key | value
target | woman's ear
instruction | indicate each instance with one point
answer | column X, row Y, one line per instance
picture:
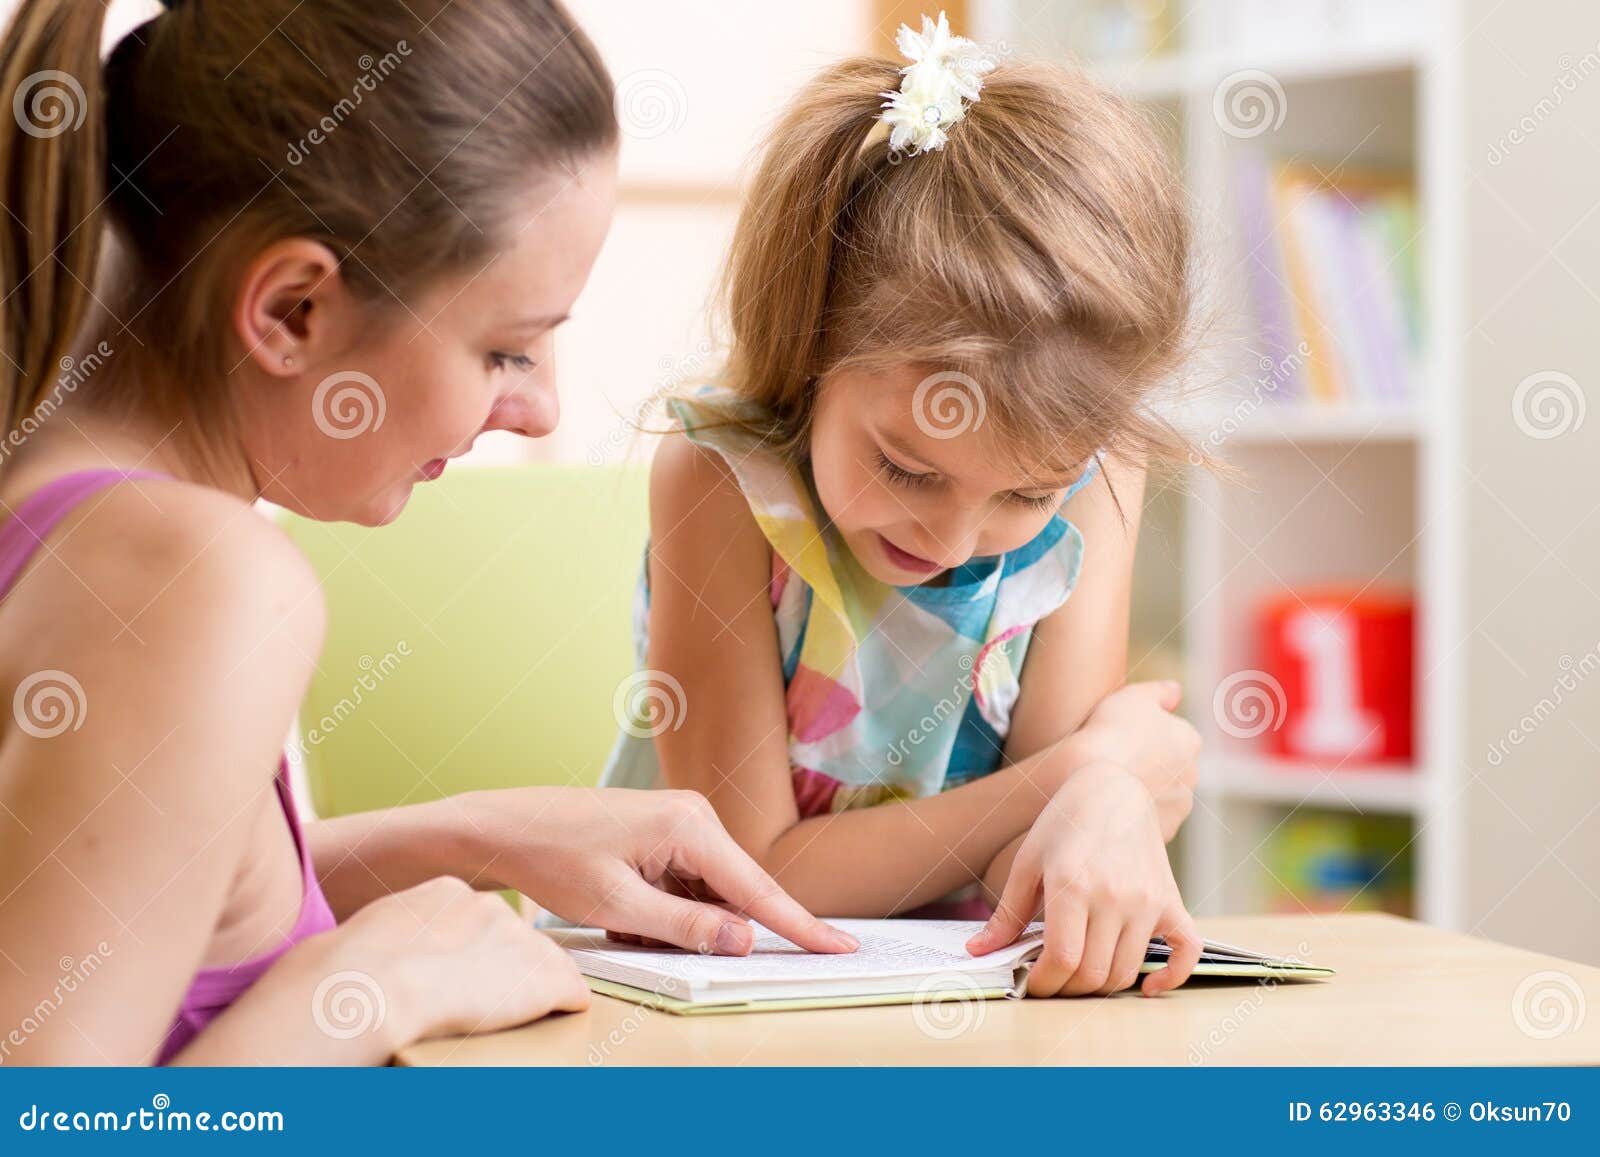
column 289, row 305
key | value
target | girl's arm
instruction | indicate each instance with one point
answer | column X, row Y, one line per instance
column 711, row 629
column 1078, row 657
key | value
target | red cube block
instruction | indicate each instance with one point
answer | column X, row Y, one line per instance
column 1344, row 662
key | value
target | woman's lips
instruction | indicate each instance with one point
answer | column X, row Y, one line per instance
column 915, row 564
column 432, row 469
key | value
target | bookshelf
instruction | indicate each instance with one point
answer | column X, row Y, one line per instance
column 1356, row 491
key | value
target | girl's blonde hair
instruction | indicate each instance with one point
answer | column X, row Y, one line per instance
column 401, row 135
column 1044, row 251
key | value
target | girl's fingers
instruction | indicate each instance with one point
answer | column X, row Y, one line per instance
column 1099, row 947
column 1065, row 919
column 1129, row 955
column 1184, row 939
column 1019, row 900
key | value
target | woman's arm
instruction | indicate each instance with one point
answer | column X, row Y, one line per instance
column 190, row 630
column 590, row 856
column 711, row 629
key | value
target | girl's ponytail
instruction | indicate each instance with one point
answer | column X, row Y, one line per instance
column 52, row 178
column 783, row 250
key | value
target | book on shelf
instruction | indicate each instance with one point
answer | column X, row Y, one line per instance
column 899, row 962
column 1331, row 270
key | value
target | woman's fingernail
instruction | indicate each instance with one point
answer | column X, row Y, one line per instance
column 846, row 939
column 734, row 939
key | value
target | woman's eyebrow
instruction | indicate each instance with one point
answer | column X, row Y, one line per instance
column 538, row 322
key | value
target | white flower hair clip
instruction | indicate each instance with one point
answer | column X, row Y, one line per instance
column 945, row 75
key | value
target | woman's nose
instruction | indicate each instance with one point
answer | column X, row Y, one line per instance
column 533, row 409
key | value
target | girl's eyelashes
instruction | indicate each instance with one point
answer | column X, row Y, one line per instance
column 897, row 473
column 1036, row 501
column 522, row 363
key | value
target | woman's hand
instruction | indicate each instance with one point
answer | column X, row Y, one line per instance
column 632, row 861
column 1135, row 727
column 437, row 959
column 1095, row 865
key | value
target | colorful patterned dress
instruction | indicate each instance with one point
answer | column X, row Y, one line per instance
column 892, row 692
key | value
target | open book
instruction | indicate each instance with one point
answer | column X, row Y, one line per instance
column 899, row 962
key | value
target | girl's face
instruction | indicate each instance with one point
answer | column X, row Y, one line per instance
column 369, row 412
column 913, row 478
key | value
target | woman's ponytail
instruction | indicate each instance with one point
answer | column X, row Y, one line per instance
column 777, row 280
column 52, row 178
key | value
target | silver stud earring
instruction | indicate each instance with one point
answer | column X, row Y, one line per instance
column 288, row 361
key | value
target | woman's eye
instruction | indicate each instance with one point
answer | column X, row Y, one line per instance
column 897, row 473
column 503, row 361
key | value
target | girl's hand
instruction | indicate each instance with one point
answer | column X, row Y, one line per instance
column 1136, row 728
column 1096, row 866
column 656, row 865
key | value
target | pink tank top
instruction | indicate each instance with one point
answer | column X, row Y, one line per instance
column 213, row 989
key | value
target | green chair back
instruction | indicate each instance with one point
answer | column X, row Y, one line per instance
column 476, row 642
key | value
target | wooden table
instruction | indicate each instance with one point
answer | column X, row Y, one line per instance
column 1406, row 993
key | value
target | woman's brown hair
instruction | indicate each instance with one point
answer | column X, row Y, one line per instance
column 401, row 135
column 1044, row 251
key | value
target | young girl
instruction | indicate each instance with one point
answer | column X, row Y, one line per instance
column 947, row 311
column 156, row 634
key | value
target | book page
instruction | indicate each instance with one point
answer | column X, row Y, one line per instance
column 888, row 948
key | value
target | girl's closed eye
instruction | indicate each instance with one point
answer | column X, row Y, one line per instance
column 1037, row 501
column 899, row 474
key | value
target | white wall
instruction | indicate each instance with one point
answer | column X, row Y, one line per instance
column 1533, row 503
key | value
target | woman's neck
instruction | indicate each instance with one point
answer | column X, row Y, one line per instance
column 81, row 435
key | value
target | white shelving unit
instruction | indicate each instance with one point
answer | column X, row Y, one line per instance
column 1348, row 495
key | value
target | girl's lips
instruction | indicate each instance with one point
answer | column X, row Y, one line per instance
column 432, row 469
column 915, row 564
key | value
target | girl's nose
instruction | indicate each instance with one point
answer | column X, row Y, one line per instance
column 953, row 540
